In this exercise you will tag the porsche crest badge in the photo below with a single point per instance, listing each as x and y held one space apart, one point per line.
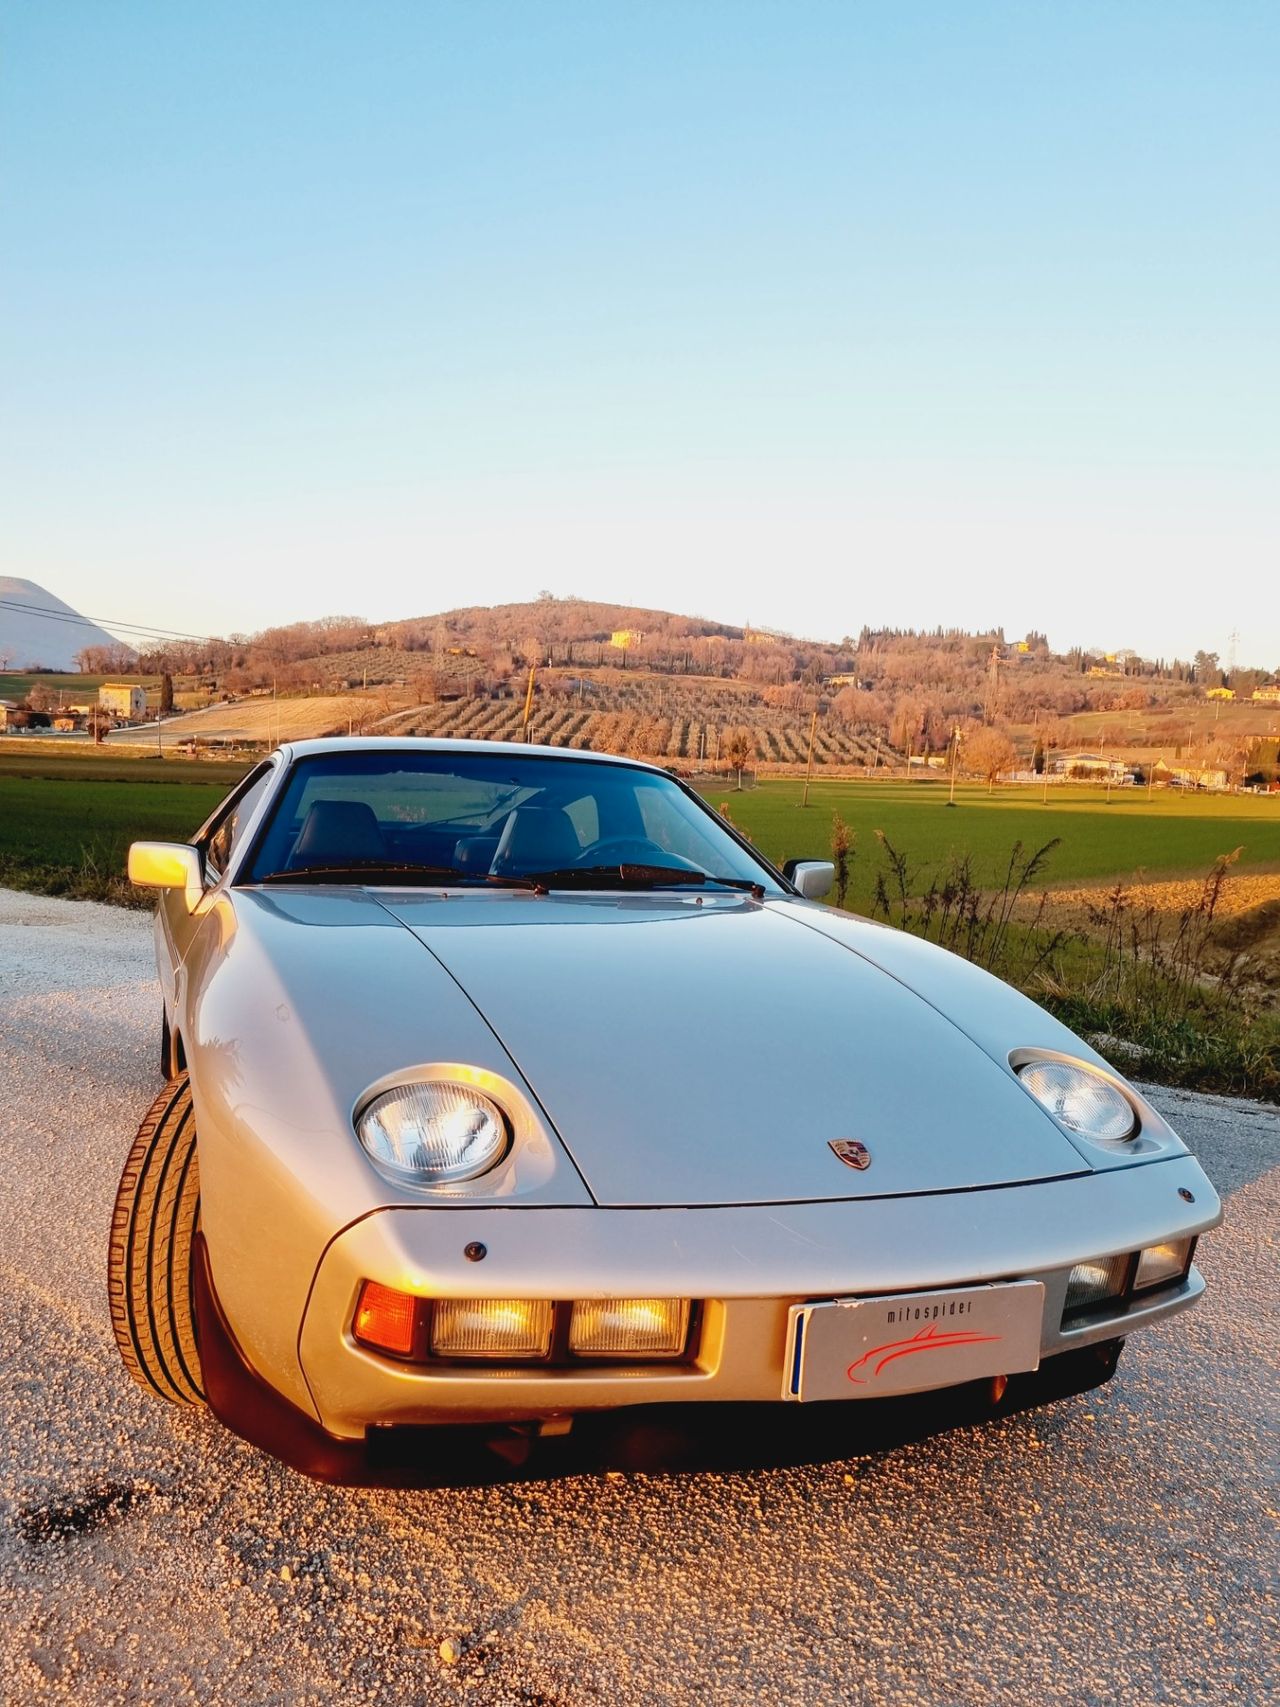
851 1152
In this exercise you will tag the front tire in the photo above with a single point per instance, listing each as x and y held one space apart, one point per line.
149 1257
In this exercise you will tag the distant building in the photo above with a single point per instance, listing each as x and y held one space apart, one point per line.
625 638
123 700
1269 695
1190 776
1088 764
66 721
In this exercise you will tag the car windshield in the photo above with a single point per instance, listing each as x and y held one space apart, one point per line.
423 818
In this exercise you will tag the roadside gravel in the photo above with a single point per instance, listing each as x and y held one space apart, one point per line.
1116 1548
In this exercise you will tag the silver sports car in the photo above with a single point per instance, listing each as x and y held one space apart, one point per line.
506 1083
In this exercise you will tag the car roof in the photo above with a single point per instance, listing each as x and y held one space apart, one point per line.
427 744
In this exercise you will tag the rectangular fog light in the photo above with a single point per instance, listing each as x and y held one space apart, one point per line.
491 1327
1092 1283
1160 1264
629 1327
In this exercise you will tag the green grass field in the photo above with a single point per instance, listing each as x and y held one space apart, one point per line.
66 821
17 684
61 811
1168 833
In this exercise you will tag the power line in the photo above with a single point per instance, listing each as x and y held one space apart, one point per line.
146 630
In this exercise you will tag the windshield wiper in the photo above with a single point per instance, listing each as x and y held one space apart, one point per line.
624 876
355 872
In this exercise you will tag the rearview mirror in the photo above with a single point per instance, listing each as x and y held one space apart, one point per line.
167 865
812 877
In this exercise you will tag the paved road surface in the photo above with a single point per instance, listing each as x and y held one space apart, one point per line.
1115 1548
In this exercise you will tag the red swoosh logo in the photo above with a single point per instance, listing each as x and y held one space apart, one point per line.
927 1339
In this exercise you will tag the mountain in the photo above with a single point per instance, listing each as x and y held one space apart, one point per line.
29 640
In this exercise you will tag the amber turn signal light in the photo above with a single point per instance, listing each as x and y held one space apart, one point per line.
385 1319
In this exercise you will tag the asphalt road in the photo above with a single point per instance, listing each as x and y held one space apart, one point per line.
1114 1548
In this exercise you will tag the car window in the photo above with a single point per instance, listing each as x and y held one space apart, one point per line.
222 839
678 832
407 796
481 817
584 815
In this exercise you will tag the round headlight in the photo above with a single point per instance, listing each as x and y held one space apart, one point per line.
1082 1100
427 1134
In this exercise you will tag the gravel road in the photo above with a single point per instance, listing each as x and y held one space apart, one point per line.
1114 1548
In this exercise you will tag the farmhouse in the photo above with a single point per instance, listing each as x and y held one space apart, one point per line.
123 700
1190 776
1088 764
1268 695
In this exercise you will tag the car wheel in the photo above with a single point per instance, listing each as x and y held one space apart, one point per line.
149 1258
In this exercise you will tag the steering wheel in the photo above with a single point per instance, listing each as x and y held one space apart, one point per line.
631 850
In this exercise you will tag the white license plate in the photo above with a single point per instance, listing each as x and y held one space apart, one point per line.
909 1342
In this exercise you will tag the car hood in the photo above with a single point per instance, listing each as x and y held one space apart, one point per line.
707 1050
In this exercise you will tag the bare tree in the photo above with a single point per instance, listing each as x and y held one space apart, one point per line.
991 753
738 749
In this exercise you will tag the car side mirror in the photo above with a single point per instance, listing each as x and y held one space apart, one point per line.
812 877
167 865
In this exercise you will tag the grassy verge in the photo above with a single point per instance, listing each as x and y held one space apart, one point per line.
91 880
1153 992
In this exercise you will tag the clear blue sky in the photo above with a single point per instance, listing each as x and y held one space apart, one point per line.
804 314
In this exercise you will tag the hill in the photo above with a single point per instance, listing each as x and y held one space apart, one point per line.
692 690
33 640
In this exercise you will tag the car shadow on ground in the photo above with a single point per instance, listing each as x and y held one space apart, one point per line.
733 1437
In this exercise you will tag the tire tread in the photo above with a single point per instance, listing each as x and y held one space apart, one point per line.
149 1254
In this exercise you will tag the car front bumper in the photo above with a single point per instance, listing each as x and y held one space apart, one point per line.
747 1265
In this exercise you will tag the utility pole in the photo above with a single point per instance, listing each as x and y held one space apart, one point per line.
528 705
955 748
993 684
813 725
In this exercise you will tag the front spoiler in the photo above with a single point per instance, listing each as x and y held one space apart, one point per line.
452 1453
